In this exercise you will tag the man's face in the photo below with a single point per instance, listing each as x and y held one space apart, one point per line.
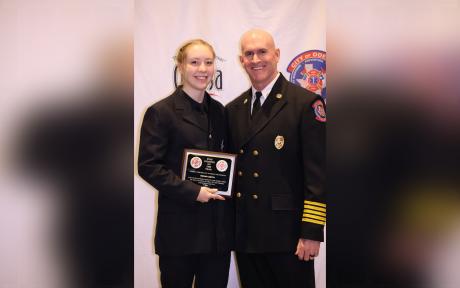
259 58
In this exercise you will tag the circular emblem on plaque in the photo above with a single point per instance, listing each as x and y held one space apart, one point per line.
222 165
279 142
196 162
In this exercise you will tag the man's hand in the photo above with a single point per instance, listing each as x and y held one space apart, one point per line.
307 249
207 194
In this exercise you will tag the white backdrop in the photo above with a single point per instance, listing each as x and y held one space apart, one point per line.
161 27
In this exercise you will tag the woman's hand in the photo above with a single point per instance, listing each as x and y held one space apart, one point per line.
207 194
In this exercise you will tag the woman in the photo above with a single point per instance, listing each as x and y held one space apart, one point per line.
194 229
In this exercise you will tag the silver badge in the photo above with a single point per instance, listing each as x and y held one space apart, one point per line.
245 101
279 96
279 142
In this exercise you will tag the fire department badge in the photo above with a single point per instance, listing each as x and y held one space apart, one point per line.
320 113
308 70
221 165
196 162
279 142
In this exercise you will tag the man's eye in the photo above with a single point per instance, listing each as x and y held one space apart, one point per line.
249 54
209 63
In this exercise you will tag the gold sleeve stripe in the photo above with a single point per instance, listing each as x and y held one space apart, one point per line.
314 217
314 212
314 208
314 203
313 221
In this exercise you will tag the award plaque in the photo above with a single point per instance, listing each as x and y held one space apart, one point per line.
210 169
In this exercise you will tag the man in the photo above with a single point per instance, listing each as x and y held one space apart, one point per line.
278 129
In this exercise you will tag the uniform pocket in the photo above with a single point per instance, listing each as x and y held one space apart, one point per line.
283 202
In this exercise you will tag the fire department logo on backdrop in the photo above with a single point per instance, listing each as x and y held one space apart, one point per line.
308 70
216 84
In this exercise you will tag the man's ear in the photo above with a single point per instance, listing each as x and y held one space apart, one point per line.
277 53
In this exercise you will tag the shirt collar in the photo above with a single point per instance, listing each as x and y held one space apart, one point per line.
202 107
265 91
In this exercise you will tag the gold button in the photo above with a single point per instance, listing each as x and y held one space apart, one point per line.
241 151
256 175
240 173
238 194
255 152
255 197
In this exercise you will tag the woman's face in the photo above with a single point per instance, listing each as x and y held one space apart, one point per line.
198 68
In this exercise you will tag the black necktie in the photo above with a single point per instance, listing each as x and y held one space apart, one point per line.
256 106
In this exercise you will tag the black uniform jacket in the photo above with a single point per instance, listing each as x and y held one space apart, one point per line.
184 226
281 168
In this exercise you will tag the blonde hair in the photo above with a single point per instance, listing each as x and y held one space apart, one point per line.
182 52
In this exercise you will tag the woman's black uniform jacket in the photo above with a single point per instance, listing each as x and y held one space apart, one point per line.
184 225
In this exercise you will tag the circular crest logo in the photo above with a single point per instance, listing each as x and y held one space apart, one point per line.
196 162
221 165
308 70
